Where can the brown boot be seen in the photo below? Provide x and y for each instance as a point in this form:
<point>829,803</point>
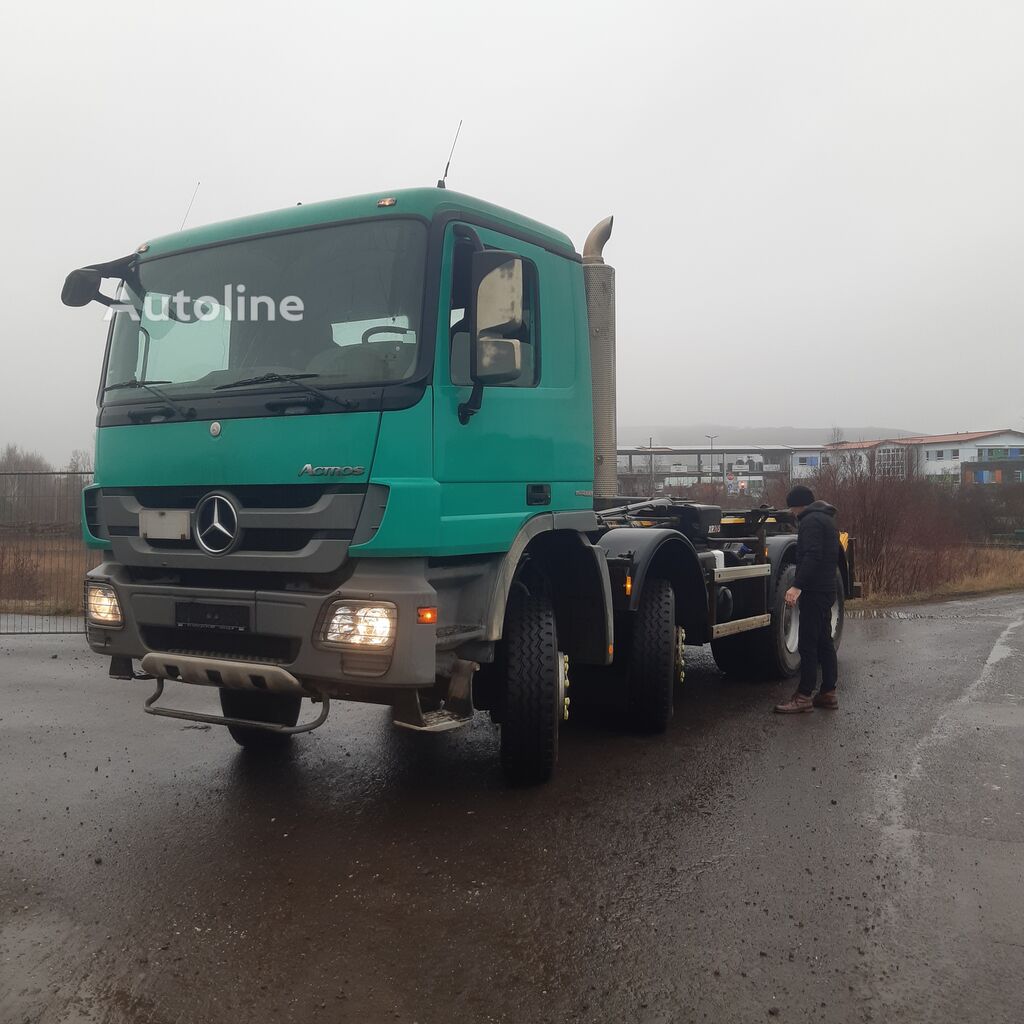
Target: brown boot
<point>796,705</point>
<point>827,699</point>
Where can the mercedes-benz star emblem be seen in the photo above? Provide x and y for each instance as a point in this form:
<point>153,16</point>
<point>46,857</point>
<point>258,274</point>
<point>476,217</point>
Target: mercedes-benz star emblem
<point>216,525</point>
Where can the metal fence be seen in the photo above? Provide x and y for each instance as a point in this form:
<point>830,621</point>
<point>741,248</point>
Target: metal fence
<point>42,555</point>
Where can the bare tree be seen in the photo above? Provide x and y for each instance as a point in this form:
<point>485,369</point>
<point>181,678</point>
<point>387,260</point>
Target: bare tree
<point>16,460</point>
<point>26,492</point>
<point>80,461</point>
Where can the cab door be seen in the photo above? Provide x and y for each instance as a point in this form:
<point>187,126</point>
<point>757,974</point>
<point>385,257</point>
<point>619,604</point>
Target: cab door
<point>522,452</point>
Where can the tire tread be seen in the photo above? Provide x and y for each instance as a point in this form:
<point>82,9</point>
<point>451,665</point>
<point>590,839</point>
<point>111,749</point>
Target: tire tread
<point>530,716</point>
<point>651,672</point>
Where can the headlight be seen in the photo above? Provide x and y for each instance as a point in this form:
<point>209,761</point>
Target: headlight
<point>102,607</point>
<point>357,624</point>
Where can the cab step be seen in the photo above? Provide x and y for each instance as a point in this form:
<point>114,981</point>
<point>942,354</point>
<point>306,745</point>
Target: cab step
<point>457,710</point>
<point>441,720</point>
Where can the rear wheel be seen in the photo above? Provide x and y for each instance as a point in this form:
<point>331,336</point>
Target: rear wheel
<point>774,651</point>
<point>838,612</point>
<point>652,664</point>
<point>532,697</point>
<point>272,708</point>
<point>733,654</point>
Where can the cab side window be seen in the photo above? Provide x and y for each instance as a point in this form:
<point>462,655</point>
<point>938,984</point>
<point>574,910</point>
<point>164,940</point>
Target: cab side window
<point>460,327</point>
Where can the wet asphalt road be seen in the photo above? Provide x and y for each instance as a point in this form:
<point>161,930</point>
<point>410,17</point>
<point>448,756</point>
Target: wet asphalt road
<point>865,865</point>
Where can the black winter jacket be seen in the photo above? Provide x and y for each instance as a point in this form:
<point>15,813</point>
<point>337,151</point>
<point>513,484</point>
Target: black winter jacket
<point>817,549</point>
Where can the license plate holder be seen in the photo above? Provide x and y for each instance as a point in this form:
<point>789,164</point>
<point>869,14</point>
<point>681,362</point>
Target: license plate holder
<point>165,524</point>
<point>224,618</point>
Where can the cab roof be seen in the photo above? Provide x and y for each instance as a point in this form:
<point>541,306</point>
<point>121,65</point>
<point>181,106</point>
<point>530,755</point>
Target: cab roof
<point>426,203</point>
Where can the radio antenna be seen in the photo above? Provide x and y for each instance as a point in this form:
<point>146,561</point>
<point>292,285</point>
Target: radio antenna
<point>190,202</point>
<point>441,181</point>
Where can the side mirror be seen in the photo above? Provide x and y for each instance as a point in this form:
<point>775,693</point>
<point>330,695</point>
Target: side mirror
<point>497,279</point>
<point>81,287</point>
<point>497,313</point>
<point>498,360</point>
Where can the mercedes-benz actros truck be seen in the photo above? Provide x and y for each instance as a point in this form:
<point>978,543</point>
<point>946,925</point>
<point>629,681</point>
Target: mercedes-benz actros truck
<point>364,450</point>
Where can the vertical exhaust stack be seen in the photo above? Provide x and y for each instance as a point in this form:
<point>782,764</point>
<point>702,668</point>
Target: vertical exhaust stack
<point>599,281</point>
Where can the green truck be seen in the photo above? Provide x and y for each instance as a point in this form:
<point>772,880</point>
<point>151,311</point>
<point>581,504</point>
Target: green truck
<point>364,450</point>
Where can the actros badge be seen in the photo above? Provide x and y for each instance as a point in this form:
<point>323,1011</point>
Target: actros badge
<point>310,470</point>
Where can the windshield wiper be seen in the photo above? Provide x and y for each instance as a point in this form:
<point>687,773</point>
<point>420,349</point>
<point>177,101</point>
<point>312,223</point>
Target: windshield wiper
<point>185,414</point>
<point>298,379</point>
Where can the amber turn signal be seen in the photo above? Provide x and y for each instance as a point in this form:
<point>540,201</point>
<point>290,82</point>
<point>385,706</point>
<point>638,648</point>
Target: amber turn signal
<point>427,616</point>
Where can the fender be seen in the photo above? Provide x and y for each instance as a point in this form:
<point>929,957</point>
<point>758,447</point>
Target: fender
<point>556,542</point>
<point>781,552</point>
<point>666,554</point>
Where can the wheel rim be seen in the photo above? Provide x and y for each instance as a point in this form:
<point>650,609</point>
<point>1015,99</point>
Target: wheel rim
<point>563,685</point>
<point>791,628</point>
<point>835,618</point>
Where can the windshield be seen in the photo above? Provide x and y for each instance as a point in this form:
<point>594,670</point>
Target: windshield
<point>339,305</point>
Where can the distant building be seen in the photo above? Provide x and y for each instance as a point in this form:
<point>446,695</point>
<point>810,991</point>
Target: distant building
<point>935,456</point>
<point>979,457</point>
<point>805,462</point>
<point>743,469</point>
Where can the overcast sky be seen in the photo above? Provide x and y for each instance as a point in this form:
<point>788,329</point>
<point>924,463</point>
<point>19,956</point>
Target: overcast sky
<point>818,215</point>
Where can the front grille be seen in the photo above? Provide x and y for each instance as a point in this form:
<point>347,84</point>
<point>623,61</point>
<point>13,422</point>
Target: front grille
<point>241,580</point>
<point>308,527</point>
<point>250,495</point>
<point>260,540</point>
<point>209,643</point>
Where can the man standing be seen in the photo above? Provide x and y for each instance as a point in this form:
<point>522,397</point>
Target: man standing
<point>817,557</point>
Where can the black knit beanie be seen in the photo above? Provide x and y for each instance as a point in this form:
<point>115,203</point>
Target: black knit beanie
<point>799,497</point>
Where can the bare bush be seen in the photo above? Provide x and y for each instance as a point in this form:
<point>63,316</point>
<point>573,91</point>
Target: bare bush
<point>914,536</point>
<point>20,577</point>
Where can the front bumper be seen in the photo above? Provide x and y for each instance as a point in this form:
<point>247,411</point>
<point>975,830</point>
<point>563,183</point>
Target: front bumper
<point>282,631</point>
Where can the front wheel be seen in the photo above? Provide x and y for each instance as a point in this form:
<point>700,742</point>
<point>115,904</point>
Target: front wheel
<point>533,685</point>
<point>272,708</point>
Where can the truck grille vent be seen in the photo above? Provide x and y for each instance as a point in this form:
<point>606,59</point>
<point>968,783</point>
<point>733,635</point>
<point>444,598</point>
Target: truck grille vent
<point>91,503</point>
<point>260,540</point>
<point>250,495</point>
<point>211,644</point>
<point>243,580</point>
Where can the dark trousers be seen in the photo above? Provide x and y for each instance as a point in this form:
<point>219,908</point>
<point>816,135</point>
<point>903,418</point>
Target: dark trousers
<point>815,642</point>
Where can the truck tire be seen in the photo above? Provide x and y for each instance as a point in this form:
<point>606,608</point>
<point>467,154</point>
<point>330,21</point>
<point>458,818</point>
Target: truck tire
<point>275,708</point>
<point>775,650</point>
<point>652,659</point>
<point>734,655</point>
<point>838,611</point>
<point>531,688</point>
